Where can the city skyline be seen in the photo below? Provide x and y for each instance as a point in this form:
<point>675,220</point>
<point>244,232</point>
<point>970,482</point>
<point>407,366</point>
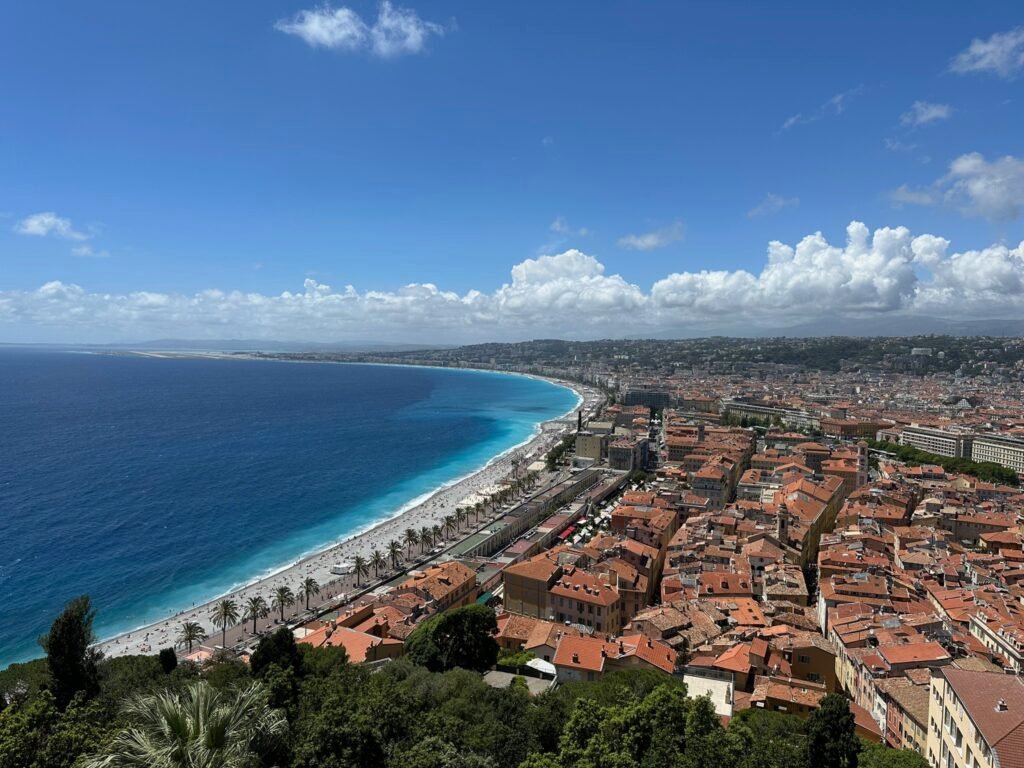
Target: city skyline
<point>452,173</point>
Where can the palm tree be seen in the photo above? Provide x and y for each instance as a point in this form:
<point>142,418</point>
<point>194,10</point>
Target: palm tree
<point>477,509</point>
<point>395,551</point>
<point>310,587</point>
<point>283,597</point>
<point>411,539</point>
<point>225,614</point>
<point>360,567</point>
<point>378,561</point>
<point>435,533</point>
<point>191,632</point>
<point>426,540</point>
<point>255,609</point>
<point>449,525</point>
<point>461,516</point>
<point>200,726</point>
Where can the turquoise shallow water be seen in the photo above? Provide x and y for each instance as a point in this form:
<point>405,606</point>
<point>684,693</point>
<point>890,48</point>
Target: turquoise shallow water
<point>155,483</point>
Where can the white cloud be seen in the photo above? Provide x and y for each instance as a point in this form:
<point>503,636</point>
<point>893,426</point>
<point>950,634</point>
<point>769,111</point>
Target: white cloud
<point>925,112</point>
<point>904,195</point>
<point>395,32</point>
<point>561,227</point>
<point>1002,55</point>
<point>87,251</point>
<point>885,273</point>
<point>773,203</point>
<point>834,106</point>
<point>895,145</point>
<point>976,187</point>
<point>49,223</point>
<point>649,241</point>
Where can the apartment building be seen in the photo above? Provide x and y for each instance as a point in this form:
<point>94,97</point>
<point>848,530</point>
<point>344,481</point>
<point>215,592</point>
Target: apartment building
<point>999,449</point>
<point>443,586</point>
<point>1003,637</point>
<point>939,441</point>
<point>975,720</point>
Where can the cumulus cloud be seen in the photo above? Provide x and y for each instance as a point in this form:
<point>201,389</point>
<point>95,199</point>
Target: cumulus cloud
<point>925,112</point>
<point>1002,54</point>
<point>395,32</point>
<point>833,106</point>
<point>772,203</point>
<point>888,272</point>
<point>649,241</point>
<point>975,186</point>
<point>49,223</point>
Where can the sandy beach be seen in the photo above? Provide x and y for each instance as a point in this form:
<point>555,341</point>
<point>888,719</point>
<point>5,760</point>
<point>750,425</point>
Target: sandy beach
<point>335,589</point>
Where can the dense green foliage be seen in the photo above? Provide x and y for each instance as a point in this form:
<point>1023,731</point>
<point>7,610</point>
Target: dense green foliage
<point>308,707</point>
<point>200,727</point>
<point>877,756</point>
<point>71,662</point>
<point>557,453</point>
<point>983,470</point>
<point>832,735</point>
<point>462,637</point>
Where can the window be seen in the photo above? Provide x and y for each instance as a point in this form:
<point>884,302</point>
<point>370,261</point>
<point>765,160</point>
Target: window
<point>805,659</point>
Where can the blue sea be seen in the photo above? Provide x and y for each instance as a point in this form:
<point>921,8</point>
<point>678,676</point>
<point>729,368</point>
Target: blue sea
<point>154,483</point>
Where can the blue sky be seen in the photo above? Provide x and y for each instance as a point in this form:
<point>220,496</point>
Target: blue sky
<point>180,152</point>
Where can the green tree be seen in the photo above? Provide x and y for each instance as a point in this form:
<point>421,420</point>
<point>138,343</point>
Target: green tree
<point>768,739</point>
<point>24,731</point>
<point>69,657</point>
<point>201,727</point>
<point>411,538</point>
<point>460,637</point>
<point>394,552</point>
<point>879,756</point>
<point>360,567</point>
<point>277,648</point>
<point>832,735</point>
<point>256,608</point>
<point>225,614</point>
<point>378,561</point>
<point>168,660</point>
<point>309,589</point>
<point>283,597</point>
<point>190,633</point>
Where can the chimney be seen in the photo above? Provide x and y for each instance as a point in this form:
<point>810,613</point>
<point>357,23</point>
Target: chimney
<point>575,658</point>
<point>1001,705</point>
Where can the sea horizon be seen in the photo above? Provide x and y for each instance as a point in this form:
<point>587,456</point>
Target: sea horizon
<point>520,404</point>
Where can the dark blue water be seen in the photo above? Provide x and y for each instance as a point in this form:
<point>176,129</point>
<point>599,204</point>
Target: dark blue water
<point>154,483</point>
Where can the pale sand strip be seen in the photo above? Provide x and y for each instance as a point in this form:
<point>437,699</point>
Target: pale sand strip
<point>431,511</point>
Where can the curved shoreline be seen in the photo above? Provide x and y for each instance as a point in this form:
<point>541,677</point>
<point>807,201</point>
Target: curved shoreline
<point>426,508</point>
